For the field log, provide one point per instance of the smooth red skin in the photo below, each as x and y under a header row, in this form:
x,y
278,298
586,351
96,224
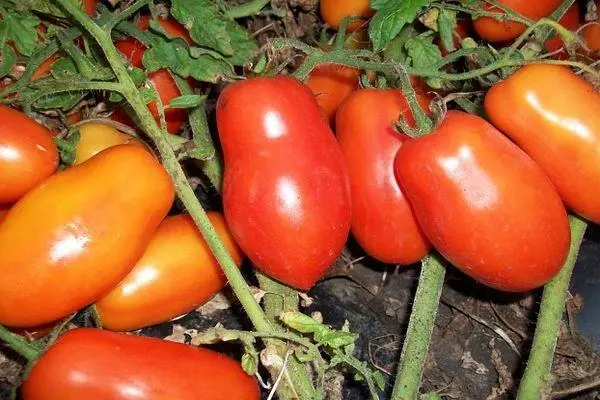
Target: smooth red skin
x,y
285,191
28,154
332,84
383,222
559,129
570,21
492,30
75,236
101,365
484,204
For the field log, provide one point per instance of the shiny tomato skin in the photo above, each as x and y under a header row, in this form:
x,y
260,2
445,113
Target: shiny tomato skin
x,y
383,222
285,191
331,84
570,21
28,154
484,204
493,30
560,130
75,236
176,274
95,137
101,365
333,12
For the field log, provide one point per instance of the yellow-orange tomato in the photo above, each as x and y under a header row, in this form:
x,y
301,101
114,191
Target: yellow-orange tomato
x,y
331,84
95,137
28,154
74,237
176,274
3,212
333,12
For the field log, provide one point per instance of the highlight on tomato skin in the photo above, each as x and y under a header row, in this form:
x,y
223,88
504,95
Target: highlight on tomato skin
x,y
98,364
176,274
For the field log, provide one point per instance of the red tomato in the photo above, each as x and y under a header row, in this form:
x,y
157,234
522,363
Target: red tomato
x,y
486,206
333,12
570,21
560,130
170,26
462,30
28,154
95,137
75,236
383,222
493,30
45,67
286,193
591,35
176,274
331,84
101,365
89,6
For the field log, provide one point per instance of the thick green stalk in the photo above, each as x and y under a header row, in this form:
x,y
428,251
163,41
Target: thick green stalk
x,y
543,33
537,379
420,328
252,7
18,344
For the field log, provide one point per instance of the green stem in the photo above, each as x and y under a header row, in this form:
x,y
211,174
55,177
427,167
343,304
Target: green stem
x,y
248,9
424,124
476,13
19,344
420,328
533,48
537,379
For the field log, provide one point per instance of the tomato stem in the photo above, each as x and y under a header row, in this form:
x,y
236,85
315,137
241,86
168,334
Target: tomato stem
x,y
424,124
19,344
420,328
537,378
248,9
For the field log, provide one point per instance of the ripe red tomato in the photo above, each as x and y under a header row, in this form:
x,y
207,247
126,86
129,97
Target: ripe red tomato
x,y
570,21
484,204
89,6
383,222
79,233
333,12
95,137
176,274
591,35
102,365
560,130
28,154
331,84
493,30
285,191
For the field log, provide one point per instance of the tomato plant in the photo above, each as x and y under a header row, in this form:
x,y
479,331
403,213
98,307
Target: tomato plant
x,y
383,222
560,130
571,21
484,204
176,274
493,30
95,364
462,30
285,190
331,84
28,154
95,137
334,12
67,242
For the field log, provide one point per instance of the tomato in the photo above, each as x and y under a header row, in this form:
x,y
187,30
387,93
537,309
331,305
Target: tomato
x,y
493,30
484,204
333,12
560,130
331,84
176,274
73,238
383,222
101,365
45,67
28,154
36,332
95,137
462,30
570,21
89,6
286,193
170,26
4,209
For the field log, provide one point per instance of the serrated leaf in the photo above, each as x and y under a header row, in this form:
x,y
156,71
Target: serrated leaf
x,y
243,44
45,7
422,52
390,17
187,101
337,339
22,30
303,323
63,68
249,364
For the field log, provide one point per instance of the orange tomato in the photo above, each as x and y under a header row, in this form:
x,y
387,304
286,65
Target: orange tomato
x,y
74,237
331,84
333,12
4,211
95,137
28,154
176,274
570,21
493,30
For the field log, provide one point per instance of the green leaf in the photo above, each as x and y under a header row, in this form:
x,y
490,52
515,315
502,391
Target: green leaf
x,y
22,30
148,94
187,101
303,323
379,379
390,17
249,364
446,27
337,339
45,7
63,68
422,52
7,54
396,50
68,147
243,44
